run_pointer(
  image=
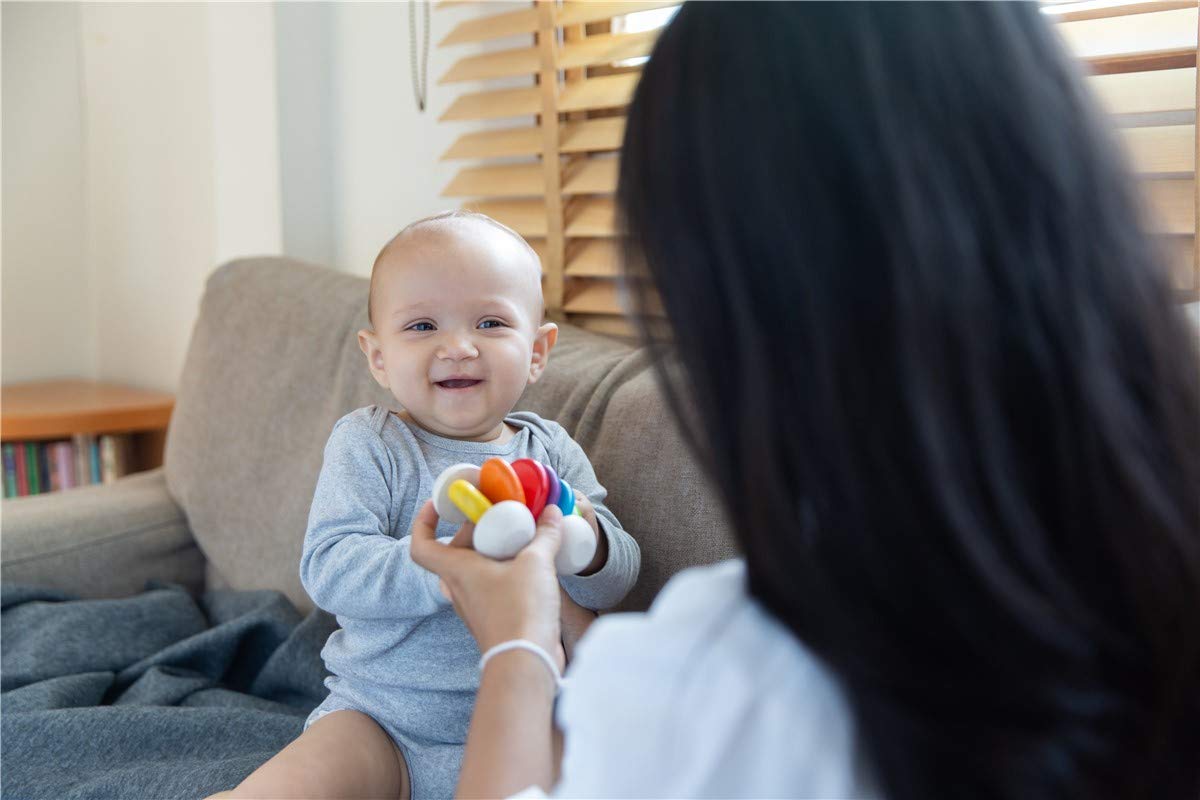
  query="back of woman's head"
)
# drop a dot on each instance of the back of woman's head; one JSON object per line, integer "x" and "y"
{"x": 935, "y": 369}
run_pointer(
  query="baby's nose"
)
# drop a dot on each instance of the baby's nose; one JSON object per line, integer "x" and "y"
{"x": 457, "y": 347}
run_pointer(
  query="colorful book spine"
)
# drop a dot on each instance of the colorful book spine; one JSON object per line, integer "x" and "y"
{"x": 108, "y": 459}
{"x": 64, "y": 463}
{"x": 94, "y": 459}
{"x": 22, "y": 470}
{"x": 32, "y": 468}
{"x": 28, "y": 468}
{"x": 51, "y": 456}
{"x": 10, "y": 470}
{"x": 79, "y": 449}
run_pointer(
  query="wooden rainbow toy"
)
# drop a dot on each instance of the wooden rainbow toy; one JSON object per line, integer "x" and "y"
{"x": 504, "y": 501}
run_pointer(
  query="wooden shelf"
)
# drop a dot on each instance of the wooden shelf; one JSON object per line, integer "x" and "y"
{"x": 57, "y": 409}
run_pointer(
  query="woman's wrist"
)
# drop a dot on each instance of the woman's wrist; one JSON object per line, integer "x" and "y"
{"x": 519, "y": 664}
{"x": 530, "y": 648}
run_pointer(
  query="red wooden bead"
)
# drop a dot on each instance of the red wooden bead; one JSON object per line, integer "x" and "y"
{"x": 536, "y": 483}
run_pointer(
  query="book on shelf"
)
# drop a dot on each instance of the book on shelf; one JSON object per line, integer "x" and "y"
{"x": 83, "y": 460}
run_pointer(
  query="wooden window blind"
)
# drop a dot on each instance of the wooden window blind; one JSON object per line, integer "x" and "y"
{"x": 1141, "y": 59}
{"x": 553, "y": 181}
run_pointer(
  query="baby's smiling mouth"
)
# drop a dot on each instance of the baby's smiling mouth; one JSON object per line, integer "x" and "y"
{"x": 458, "y": 383}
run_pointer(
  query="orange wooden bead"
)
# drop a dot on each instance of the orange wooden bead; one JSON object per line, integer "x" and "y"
{"x": 499, "y": 482}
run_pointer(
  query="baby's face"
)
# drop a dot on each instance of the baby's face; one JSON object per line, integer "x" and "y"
{"x": 456, "y": 336}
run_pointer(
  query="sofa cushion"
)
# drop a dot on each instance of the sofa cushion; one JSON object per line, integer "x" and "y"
{"x": 274, "y": 361}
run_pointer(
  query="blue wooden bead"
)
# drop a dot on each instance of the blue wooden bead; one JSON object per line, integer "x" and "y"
{"x": 566, "y": 498}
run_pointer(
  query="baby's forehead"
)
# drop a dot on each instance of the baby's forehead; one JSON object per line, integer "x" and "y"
{"x": 472, "y": 257}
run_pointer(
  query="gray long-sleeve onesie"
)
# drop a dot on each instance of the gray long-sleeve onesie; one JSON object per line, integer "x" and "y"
{"x": 402, "y": 655}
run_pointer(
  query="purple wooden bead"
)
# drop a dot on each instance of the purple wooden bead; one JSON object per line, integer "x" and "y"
{"x": 555, "y": 486}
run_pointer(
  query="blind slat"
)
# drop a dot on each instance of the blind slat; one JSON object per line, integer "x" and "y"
{"x": 1158, "y": 40}
{"x": 593, "y": 258}
{"x": 606, "y": 49}
{"x": 591, "y": 216}
{"x": 607, "y": 324}
{"x": 495, "y": 26}
{"x": 494, "y": 105}
{"x": 579, "y": 13}
{"x": 1179, "y": 252}
{"x": 1171, "y": 205}
{"x": 606, "y": 92}
{"x": 503, "y": 180}
{"x": 1146, "y": 92}
{"x": 593, "y": 297}
{"x": 591, "y": 176}
{"x": 501, "y": 64}
{"x": 1165, "y": 150}
{"x": 496, "y": 144}
{"x": 605, "y": 133}
{"x": 526, "y": 217}
{"x": 539, "y": 247}
{"x": 1077, "y": 11}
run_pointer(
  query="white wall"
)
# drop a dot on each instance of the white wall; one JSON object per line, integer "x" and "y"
{"x": 48, "y": 316}
{"x": 146, "y": 143}
{"x": 359, "y": 161}
{"x": 141, "y": 149}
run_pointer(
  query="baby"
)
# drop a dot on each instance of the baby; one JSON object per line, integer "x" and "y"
{"x": 455, "y": 335}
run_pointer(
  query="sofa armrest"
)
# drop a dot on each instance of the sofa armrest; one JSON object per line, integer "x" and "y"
{"x": 100, "y": 541}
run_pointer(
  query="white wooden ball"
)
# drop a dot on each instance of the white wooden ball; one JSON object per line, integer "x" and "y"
{"x": 441, "y": 499}
{"x": 504, "y": 529}
{"x": 578, "y": 546}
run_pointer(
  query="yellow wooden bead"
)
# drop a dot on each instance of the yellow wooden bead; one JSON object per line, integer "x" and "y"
{"x": 468, "y": 499}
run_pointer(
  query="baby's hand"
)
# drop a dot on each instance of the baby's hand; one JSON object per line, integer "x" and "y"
{"x": 588, "y": 512}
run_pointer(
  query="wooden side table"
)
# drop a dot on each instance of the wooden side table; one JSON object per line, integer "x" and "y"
{"x": 58, "y": 409}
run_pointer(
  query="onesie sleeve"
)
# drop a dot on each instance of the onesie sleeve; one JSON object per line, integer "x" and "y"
{"x": 351, "y": 565}
{"x": 607, "y": 587}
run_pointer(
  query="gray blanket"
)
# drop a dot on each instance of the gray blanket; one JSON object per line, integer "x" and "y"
{"x": 159, "y": 695}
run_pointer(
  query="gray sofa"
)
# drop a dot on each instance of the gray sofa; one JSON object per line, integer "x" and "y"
{"x": 273, "y": 362}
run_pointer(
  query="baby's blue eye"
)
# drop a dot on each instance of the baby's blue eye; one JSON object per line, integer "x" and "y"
{"x": 428, "y": 326}
{"x": 487, "y": 323}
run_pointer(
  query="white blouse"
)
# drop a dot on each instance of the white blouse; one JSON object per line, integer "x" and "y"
{"x": 705, "y": 695}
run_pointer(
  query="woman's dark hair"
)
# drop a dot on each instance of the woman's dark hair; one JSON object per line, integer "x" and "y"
{"x": 937, "y": 373}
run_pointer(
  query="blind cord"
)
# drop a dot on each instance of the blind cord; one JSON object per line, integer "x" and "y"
{"x": 420, "y": 78}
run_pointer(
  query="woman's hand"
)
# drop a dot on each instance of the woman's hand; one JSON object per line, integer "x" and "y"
{"x": 498, "y": 600}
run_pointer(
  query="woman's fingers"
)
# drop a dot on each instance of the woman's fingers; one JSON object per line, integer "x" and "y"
{"x": 465, "y": 536}
{"x": 426, "y": 549}
{"x": 548, "y": 537}
{"x": 425, "y": 524}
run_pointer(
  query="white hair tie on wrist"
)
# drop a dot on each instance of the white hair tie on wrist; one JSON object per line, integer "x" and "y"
{"x": 525, "y": 644}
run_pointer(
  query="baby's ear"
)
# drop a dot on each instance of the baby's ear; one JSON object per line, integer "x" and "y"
{"x": 368, "y": 342}
{"x": 543, "y": 343}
